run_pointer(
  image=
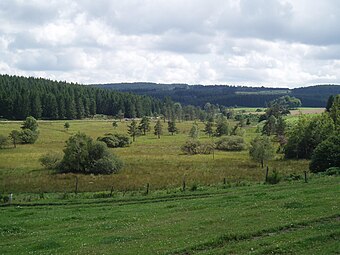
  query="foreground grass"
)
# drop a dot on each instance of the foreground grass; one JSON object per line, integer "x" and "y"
{"x": 288, "y": 218}
{"x": 158, "y": 162}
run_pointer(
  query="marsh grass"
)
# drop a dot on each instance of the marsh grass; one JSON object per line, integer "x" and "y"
{"x": 158, "y": 162}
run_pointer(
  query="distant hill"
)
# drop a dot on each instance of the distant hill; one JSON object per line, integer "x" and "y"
{"x": 198, "y": 95}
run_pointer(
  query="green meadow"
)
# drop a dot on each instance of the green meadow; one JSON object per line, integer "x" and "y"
{"x": 158, "y": 162}
{"x": 287, "y": 218}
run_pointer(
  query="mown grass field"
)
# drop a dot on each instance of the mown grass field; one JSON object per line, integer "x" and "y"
{"x": 158, "y": 162}
{"x": 287, "y": 218}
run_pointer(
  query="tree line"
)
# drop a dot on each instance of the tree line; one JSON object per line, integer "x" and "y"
{"x": 21, "y": 97}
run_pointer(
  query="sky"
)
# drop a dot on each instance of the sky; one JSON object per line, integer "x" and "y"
{"x": 276, "y": 43}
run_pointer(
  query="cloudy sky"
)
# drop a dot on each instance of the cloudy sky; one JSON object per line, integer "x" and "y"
{"x": 279, "y": 43}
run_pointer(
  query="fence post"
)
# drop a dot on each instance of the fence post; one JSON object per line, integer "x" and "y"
{"x": 224, "y": 181}
{"x": 10, "y": 198}
{"x": 111, "y": 193}
{"x": 305, "y": 172}
{"x": 76, "y": 189}
{"x": 183, "y": 185}
{"x": 267, "y": 170}
{"x": 147, "y": 188}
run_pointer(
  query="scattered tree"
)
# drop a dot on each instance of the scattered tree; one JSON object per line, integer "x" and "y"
{"x": 3, "y": 141}
{"x": 114, "y": 124}
{"x": 133, "y": 130}
{"x": 222, "y": 128}
{"x": 30, "y": 123}
{"x": 144, "y": 125}
{"x": 261, "y": 149}
{"x": 194, "y": 131}
{"x": 158, "y": 129}
{"x": 208, "y": 129}
{"x": 15, "y": 137}
{"x": 172, "y": 127}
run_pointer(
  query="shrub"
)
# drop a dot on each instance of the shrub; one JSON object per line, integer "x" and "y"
{"x": 274, "y": 178}
{"x": 326, "y": 154}
{"x": 193, "y": 147}
{"x": 27, "y": 136}
{"x": 206, "y": 148}
{"x": 115, "y": 140}
{"x": 51, "y": 160}
{"x": 232, "y": 143}
{"x": 3, "y": 141}
{"x": 83, "y": 155}
{"x": 333, "y": 171}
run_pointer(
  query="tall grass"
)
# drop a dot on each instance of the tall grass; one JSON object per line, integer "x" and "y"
{"x": 158, "y": 162}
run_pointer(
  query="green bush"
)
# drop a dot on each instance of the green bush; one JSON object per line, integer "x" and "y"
{"x": 27, "y": 136}
{"x": 326, "y": 154}
{"x": 192, "y": 147}
{"x": 83, "y": 155}
{"x": 3, "y": 141}
{"x": 231, "y": 143}
{"x": 51, "y": 160}
{"x": 333, "y": 171}
{"x": 115, "y": 140}
{"x": 274, "y": 178}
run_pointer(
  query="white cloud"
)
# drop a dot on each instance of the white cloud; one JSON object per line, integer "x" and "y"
{"x": 258, "y": 42}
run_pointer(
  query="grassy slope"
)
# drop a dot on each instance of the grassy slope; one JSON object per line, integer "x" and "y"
{"x": 288, "y": 218}
{"x": 148, "y": 160}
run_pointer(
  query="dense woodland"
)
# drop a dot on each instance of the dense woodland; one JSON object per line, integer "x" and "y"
{"x": 198, "y": 95}
{"x": 45, "y": 99}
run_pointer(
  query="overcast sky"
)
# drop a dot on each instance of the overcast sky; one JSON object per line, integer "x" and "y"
{"x": 279, "y": 43}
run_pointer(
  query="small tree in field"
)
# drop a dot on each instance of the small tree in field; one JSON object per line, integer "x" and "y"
{"x": 261, "y": 149}
{"x": 3, "y": 141}
{"x": 114, "y": 124}
{"x": 194, "y": 131}
{"x": 158, "y": 129}
{"x": 209, "y": 127}
{"x": 133, "y": 130}
{"x": 67, "y": 126}
{"x": 144, "y": 125}
{"x": 30, "y": 123}
{"x": 172, "y": 127}
{"x": 15, "y": 137}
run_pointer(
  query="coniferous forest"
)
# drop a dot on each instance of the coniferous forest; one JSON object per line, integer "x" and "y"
{"x": 46, "y": 99}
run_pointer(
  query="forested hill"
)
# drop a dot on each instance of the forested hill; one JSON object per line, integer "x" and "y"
{"x": 42, "y": 98}
{"x": 313, "y": 96}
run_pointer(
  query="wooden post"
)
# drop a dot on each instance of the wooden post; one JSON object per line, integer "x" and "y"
{"x": 111, "y": 193}
{"x": 183, "y": 185}
{"x": 267, "y": 170}
{"x": 305, "y": 172}
{"x": 10, "y": 199}
{"x": 76, "y": 189}
{"x": 224, "y": 181}
{"x": 147, "y": 188}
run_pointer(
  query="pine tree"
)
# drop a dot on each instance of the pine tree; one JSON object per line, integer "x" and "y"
{"x": 209, "y": 127}
{"x": 172, "y": 127}
{"x": 194, "y": 131}
{"x": 158, "y": 129}
{"x": 133, "y": 130}
{"x": 144, "y": 125}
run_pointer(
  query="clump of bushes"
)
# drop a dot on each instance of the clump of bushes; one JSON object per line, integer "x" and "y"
{"x": 231, "y": 143}
{"x": 83, "y": 155}
{"x": 51, "y": 160}
{"x": 115, "y": 140}
{"x": 193, "y": 147}
{"x": 273, "y": 178}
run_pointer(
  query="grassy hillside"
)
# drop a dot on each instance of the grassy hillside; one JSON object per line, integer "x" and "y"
{"x": 288, "y": 218}
{"x": 158, "y": 162}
